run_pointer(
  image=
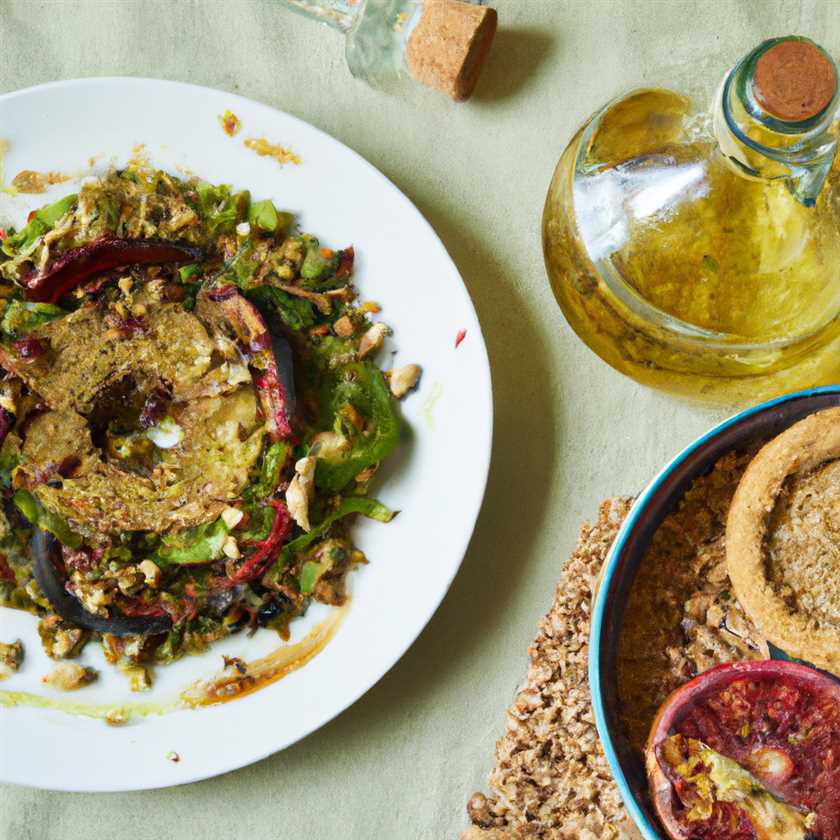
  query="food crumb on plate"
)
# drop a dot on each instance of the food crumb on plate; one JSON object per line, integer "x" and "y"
{"x": 462, "y": 334}
{"x": 11, "y": 655}
{"x": 231, "y": 124}
{"x": 70, "y": 676}
{"x": 173, "y": 757}
{"x": 279, "y": 153}
{"x": 403, "y": 379}
{"x": 32, "y": 182}
{"x": 116, "y": 717}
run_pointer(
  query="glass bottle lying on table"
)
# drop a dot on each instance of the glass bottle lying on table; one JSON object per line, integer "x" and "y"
{"x": 440, "y": 43}
{"x": 699, "y": 252}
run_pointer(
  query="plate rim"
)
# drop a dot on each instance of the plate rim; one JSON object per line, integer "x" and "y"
{"x": 486, "y": 389}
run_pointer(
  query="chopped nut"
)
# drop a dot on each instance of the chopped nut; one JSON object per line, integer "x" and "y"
{"x": 94, "y": 596}
{"x": 372, "y": 339}
{"x": 232, "y": 517}
{"x": 403, "y": 379}
{"x": 70, "y": 676}
{"x": 151, "y": 572}
{"x": 352, "y": 415}
{"x": 300, "y": 491}
{"x": 139, "y": 677}
{"x": 130, "y": 580}
{"x": 59, "y": 638}
{"x": 231, "y": 548}
{"x": 125, "y": 284}
{"x": 243, "y": 229}
{"x": 329, "y": 445}
{"x": 33, "y": 591}
{"x": 116, "y": 717}
{"x": 343, "y": 327}
{"x": 11, "y": 655}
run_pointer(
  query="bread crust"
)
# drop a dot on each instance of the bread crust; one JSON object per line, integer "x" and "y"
{"x": 803, "y": 447}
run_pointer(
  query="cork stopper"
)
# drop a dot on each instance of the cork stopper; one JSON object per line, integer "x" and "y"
{"x": 448, "y": 46}
{"x": 794, "y": 80}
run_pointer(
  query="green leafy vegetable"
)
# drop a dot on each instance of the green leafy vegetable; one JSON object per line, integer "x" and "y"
{"x": 295, "y": 312}
{"x": 309, "y": 576}
{"x": 333, "y": 556}
{"x": 46, "y": 520}
{"x": 270, "y": 471}
{"x": 240, "y": 270}
{"x": 24, "y": 241}
{"x": 220, "y": 209}
{"x": 22, "y": 317}
{"x": 349, "y": 504}
{"x": 315, "y": 264}
{"x": 362, "y": 386}
{"x": 201, "y": 544}
{"x": 260, "y": 520}
{"x": 187, "y": 271}
{"x": 263, "y": 215}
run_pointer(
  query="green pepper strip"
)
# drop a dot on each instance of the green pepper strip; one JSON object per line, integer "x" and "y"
{"x": 374, "y": 400}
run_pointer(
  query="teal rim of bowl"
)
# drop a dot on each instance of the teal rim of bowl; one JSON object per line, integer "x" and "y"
{"x": 610, "y": 565}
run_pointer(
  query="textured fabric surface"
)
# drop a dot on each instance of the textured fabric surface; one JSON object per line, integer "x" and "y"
{"x": 401, "y": 763}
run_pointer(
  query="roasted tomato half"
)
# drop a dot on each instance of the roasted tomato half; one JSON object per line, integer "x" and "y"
{"x": 749, "y": 751}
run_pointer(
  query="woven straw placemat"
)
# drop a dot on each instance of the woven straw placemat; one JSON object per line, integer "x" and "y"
{"x": 551, "y": 778}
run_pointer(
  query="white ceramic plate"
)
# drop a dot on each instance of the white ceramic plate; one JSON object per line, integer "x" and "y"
{"x": 437, "y": 479}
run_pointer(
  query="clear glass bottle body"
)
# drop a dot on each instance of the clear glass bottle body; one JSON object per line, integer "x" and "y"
{"x": 699, "y": 251}
{"x": 376, "y": 33}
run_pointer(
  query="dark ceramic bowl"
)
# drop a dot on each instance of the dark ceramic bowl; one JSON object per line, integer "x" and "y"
{"x": 658, "y": 499}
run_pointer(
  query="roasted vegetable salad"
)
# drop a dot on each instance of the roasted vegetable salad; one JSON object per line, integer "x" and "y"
{"x": 190, "y": 413}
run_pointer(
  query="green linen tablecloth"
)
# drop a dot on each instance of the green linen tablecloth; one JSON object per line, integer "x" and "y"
{"x": 402, "y": 762}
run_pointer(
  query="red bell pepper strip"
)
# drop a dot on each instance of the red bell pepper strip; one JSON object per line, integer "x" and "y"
{"x": 267, "y": 549}
{"x": 139, "y": 607}
{"x": 274, "y": 400}
{"x": 103, "y": 254}
{"x": 274, "y": 381}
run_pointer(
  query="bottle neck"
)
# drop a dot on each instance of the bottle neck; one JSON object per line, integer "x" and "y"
{"x": 337, "y": 14}
{"x": 760, "y": 143}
